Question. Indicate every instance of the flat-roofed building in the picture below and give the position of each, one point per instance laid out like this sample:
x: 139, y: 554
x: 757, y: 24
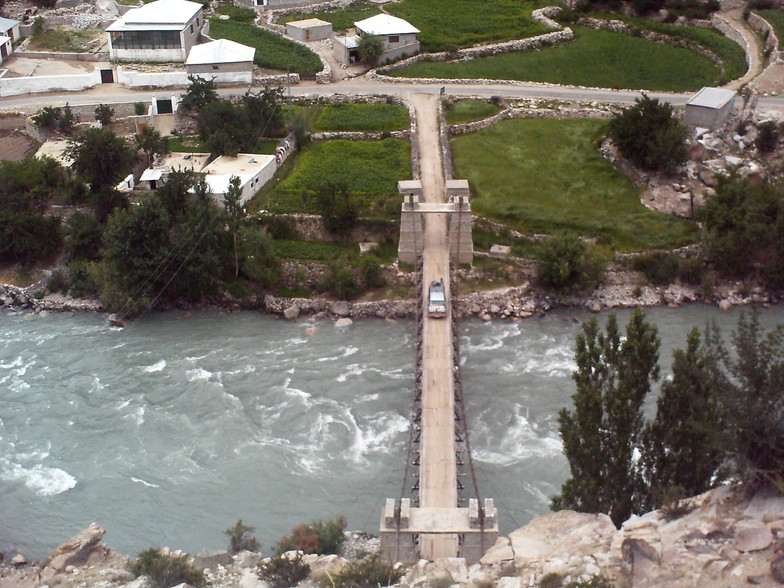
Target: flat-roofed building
x: 253, y: 170
x: 223, y: 60
x: 164, y: 30
x: 55, y: 149
x: 710, y: 108
x: 310, y: 29
x: 176, y: 161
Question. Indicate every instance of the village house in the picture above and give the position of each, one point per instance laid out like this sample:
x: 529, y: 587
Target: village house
x: 9, y: 33
x: 164, y: 30
x: 310, y: 29
x: 398, y: 35
x: 710, y: 108
x: 174, y: 161
x: 224, y: 61
x: 252, y: 169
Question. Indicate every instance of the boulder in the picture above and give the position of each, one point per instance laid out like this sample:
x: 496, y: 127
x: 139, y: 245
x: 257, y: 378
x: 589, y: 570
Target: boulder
x: 322, y: 564
x: 344, y: 322
x: 77, y: 550
x: 212, y: 559
x: 777, y: 569
x: 18, y: 560
x: 754, y: 538
x: 247, y: 559
x: 340, y: 308
x: 291, y: 313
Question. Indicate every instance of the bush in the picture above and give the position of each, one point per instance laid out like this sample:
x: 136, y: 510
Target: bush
x: 367, y: 573
x: 319, y: 537
x: 567, y: 264
x: 80, y: 281
x: 140, y: 108
x: 165, y: 570
x: 371, y: 272
x: 283, y: 572
x: 659, y: 268
x: 768, y: 137
x: 241, y: 539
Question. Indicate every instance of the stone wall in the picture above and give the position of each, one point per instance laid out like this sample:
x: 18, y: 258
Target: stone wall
x: 322, y: 77
x: 511, y: 113
x: 763, y: 27
x: 724, y: 27
x: 102, y: 56
x: 310, y: 227
x: 270, y: 16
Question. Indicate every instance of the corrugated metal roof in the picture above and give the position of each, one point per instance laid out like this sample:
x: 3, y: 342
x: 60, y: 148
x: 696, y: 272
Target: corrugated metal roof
x: 6, y: 24
x: 712, y: 98
x: 384, y: 24
x: 220, y: 51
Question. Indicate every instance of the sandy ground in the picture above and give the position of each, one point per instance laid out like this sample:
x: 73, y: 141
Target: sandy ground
x: 29, y: 66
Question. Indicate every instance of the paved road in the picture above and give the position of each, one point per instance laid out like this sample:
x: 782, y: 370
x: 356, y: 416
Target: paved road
x: 437, y: 481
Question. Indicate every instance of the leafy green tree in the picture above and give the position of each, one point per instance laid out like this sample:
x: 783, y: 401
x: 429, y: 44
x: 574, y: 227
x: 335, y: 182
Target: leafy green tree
x: 84, y: 236
x: 104, y: 114
x: 603, y: 430
x: 264, y: 110
x: 106, y: 200
x: 48, y: 118
x: 649, y: 135
x: 176, y: 191
x: 225, y: 128
x: 101, y: 157
x: 150, y: 142
x: 750, y: 391
x: 235, y: 215
x: 68, y: 119
x: 241, y: 538
x: 371, y: 48
x: 338, y: 209
x: 166, y: 570
x: 200, y: 92
x: 680, y: 454
x: 567, y: 264
x: 257, y: 252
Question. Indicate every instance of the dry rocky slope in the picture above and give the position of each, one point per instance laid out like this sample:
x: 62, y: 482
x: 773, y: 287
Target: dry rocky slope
x: 727, y: 537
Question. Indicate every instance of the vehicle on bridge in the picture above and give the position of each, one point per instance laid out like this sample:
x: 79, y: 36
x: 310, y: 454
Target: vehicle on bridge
x: 436, y: 304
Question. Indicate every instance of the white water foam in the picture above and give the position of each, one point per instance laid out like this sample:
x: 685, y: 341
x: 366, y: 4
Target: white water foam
x: 43, y: 480
x: 156, y: 367
x: 347, y: 352
x: 148, y: 484
x: 199, y: 374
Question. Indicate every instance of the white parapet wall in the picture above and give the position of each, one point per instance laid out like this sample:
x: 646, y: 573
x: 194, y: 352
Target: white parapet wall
x: 36, y: 84
x: 135, y: 79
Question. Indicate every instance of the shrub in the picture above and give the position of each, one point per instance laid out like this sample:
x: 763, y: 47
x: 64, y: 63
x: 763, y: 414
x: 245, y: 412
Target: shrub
x: 241, y: 538
x: 80, y: 281
x: 567, y: 264
x: 660, y: 268
x: 367, y: 573
x: 768, y: 137
x: 370, y: 270
x: 48, y: 118
x: 283, y: 572
x: 139, y: 108
x: 165, y: 570
x: 320, y: 537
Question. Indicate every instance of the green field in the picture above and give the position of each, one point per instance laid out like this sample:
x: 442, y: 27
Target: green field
x: 272, y: 52
x: 593, y: 58
x: 776, y: 20
x: 552, y: 178
x: 341, y: 18
x: 237, y: 13
x: 731, y: 54
x: 370, y: 170
x: 362, y: 117
x: 464, y: 111
x: 192, y: 144
x: 448, y: 24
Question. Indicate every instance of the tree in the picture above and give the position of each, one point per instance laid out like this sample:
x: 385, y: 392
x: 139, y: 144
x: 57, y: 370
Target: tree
x: 67, y: 119
x: 175, y: 192
x: 235, y: 215
x: 681, y: 456
x: 602, y: 432
x: 84, y: 236
x: 371, y: 48
x: 101, y: 157
x: 200, y: 92
x: 649, y: 135
x: 567, y: 264
x: 104, y: 114
x: 150, y: 142
x: 263, y: 110
x: 241, y: 538
x: 338, y: 209
x: 225, y: 128
x: 257, y: 252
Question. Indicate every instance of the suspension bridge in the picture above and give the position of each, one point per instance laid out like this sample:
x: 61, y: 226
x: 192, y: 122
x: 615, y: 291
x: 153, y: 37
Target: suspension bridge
x: 440, y: 512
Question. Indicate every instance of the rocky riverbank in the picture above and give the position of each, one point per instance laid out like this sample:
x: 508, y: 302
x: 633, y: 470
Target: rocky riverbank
x: 727, y: 537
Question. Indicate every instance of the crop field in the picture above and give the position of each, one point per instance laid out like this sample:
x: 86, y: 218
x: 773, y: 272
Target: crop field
x: 553, y: 178
x: 448, y: 24
x: 369, y: 169
x: 341, y: 18
x: 362, y: 117
x: 465, y: 111
x: 272, y: 51
x: 594, y: 58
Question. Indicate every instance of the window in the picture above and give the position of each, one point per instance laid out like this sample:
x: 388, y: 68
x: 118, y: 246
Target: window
x: 191, y: 28
x: 197, y: 22
x: 394, y: 38
x: 146, y: 40
x: 214, y: 67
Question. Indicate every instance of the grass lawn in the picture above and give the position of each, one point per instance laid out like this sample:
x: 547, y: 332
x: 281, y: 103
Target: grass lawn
x: 593, y: 58
x: 237, y: 13
x: 272, y: 52
x: 370, y: 170
x: 342, y: 116
x: 731, y: 54
x: 464, y: 111
x: 448, y: 24
x: 192, y: 144
x: 63, y: 39
x: 553, y: 178
x: 776, y: 20
x: 341, y: 18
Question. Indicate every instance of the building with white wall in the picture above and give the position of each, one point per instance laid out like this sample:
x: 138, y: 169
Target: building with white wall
x: 710, y: 108
x: 253, y: 170
x: 310, y: 29
x: 223, y: 60
x: 399, y: 36
x: 9, y: 33
x: 164, y: 30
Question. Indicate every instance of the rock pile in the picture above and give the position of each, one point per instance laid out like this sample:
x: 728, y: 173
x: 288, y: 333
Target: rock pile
x: 30, y: 299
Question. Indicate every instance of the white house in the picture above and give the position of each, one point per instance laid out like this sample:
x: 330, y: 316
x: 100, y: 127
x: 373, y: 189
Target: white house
x: 710, y: 108
x: 175, y: 161
x: 253, y: 170
x: 9, y: 32
x: 223, y: 60
x: 310, y: 29
x: 164, y: 30
x: 399, y: 36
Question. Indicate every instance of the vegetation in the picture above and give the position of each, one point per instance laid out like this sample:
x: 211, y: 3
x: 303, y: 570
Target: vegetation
x: 464, y: 111
x: 594, y: 58
x: 368, y: 169
x: 241, y: 538
x: 284, y: 572
x: 55, y: 118
x: 320, y: 537
x: 200, y: 92
x: 309, y: 251
x: 187, y: 144
x: 551, y: 171
x: 776, y: 19
x: 166, y: 570
x: 237, y: 13
x: 341, y: 18
x: 61, y: 39
x: 104, y: 114
x: 338, y: 209
x: 101, y: 157
x: 649, y: 135
x: 370, y: 572
x: 342, y: 116
x: 448, y: 24
x: 150, y: 142
x: 719, y: 417
x: 370, y: 48
x: 568, y: 264
x: 272, y: 51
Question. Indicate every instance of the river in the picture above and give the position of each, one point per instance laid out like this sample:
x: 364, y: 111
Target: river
x: 167, y: 432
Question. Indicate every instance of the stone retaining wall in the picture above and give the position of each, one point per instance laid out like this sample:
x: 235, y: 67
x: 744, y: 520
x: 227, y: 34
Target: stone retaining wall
x: 275, y: 80
x: 510, y: 113
x: 272, y: 15
x: 763, y: 27
x: 310, y: 227
x: 360, y: 135
x: 102, y: 56
x: 322, y: 77
x: 724, y: 27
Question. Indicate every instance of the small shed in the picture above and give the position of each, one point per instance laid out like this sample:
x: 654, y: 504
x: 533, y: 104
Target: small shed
x: 310, y: 29
x: 223, y: 60
x: 710, y: 108
x: 346, y: 49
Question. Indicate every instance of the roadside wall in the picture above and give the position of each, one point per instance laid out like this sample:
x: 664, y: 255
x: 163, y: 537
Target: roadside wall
x: 35, y: 84
x: 763, y: 27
